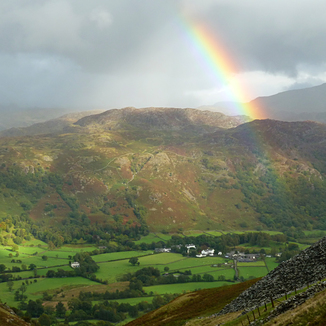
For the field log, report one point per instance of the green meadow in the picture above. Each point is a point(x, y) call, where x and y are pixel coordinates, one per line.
point(247, 272)
point(113, 266)
point(120, 255)
point(183, 287)
point(35, 290)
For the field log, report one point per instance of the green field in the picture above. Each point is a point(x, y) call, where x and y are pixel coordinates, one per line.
point(35, 290)
point(195, 263)
point(252, 271)
point(120, 255)
point(271, 263)
point(214, 233)
point(252, 264)
point(193, 233)
point(148, 239)
point(134, 301)
point(114, 265)
point(183, 287)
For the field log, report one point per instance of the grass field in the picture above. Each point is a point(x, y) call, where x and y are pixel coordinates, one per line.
point(120, 255)
point(183, 287)
point(271, 263)
point(263, 231)
point(195, 263)
point(112, 270)
point(252, 271)
point(193, 233)
point(148, 239)
point(134, 301)
point(35, 290)
point(228, 273)
point(113, 265)
point(214, 233)
point(251, 264)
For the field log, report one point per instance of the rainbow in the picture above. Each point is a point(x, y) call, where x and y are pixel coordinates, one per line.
point(218, 61)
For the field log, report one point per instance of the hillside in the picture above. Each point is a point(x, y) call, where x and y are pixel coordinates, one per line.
point(186, 170)
point(47, 127)
point(9, 318)
point(292, 293)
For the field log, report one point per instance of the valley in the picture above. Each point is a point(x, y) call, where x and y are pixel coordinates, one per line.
point(38, 272)
point(110, 191)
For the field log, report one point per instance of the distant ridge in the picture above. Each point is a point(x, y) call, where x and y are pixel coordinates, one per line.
point(48, 127)
point(293, 105)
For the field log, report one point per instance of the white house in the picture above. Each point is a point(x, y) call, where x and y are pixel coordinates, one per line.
point(75, 264)
point(190, 246)
point(208, 252)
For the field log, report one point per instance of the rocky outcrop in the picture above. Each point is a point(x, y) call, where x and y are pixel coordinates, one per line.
point(306, 268)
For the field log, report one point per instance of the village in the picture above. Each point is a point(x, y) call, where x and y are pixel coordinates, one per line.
point(235, 255)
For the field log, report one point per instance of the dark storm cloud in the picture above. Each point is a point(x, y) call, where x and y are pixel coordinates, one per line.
point(127, 52)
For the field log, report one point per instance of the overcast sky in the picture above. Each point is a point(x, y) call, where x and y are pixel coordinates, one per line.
point(105, 53)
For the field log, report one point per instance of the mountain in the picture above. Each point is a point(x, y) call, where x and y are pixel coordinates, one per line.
point(13, 117)
point(299, 104)
point(169, 170)
point(49, 126)
point(293, 105)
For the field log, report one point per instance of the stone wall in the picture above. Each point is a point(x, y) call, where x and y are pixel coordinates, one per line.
point(308, 267)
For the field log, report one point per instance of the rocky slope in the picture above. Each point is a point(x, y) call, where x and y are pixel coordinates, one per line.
point(9, 318)
point(308, 267)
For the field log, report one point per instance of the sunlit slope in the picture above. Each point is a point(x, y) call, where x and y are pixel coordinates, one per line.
point(260, 174)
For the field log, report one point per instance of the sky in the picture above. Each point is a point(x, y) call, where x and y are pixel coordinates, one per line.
point(111, 54)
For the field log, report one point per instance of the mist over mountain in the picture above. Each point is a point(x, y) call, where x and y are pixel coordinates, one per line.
point(293, 105)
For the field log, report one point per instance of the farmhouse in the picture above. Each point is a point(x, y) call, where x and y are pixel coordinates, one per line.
point(75, 264)
point(190, 246)
point(242, 257)
point(205, 253)
point(162, 249)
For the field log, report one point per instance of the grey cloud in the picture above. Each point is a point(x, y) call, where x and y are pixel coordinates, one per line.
point(127, 52)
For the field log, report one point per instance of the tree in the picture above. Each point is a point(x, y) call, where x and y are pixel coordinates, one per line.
point(60, 310)
point(44, 257)
point(2, 268)
point(221, 278)
point(208, 278)
point(31, 267)
point(166, 269)
point(14, 247)
point(35, 308)
point(45, 320)
point(10, 285)
point(133, 260)
point(23, 288)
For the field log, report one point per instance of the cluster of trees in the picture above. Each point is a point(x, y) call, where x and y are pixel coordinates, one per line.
point(113, 311)
point(83, 309)
point(148, 276)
